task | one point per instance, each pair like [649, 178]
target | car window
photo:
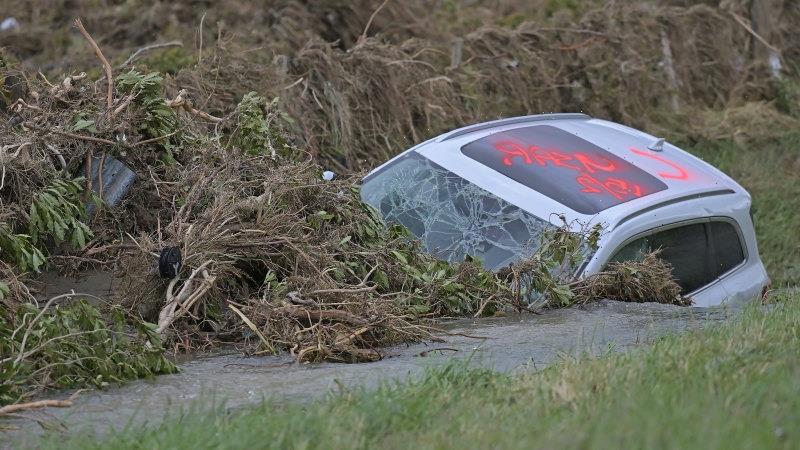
[634, 251]
[728, 247]
[452, 217]
[686, 248]
[564, 167]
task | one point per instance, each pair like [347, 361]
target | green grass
[735, 385]
[770, 171]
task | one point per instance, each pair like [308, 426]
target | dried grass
[633, 63]
[648, 280]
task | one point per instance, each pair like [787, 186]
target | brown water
[509, 344]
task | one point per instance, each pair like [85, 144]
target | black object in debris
[169, 262]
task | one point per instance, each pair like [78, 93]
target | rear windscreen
[564, 167]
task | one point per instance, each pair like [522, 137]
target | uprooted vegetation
[226, 157]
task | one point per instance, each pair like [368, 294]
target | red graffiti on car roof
[588, 167]
[681, 173]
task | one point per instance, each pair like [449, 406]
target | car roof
[685, 176]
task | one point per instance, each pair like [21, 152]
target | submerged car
[490, 190]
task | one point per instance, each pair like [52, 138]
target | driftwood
[39, 404]
[179, 304]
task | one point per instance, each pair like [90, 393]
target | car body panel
[695, 191]
[696, 177]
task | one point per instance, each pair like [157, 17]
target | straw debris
[648, 280]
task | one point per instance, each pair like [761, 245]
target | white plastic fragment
[775, 64]
[9, 23]
[328, 175]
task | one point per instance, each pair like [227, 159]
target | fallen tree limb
[177, 305]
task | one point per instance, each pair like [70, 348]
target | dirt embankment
[363, 80]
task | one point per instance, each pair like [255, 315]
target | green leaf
[83, 124]
[401, 257]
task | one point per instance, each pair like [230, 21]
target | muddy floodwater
[510, 344]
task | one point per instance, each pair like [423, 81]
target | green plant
[258, 129]
[57, 212]
[148, 93]
[18, 249]
[74, 345]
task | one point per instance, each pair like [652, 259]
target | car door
[689, 249]
[741, 282]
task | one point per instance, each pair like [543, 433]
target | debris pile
[230, 232]
[653, 67]
[363, 80]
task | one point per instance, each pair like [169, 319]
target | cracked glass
[452, 217]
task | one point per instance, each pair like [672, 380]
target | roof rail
[672, 202]
[511, 121]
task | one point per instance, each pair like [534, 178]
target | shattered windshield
[451, 216]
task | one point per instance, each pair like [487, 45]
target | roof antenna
[657, 146]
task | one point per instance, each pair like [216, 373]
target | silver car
[489, 190]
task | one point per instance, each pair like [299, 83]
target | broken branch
[103, 60]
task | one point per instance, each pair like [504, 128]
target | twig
[19, 103]
[71, 135]
[343, 290]
[147, 48]
[311, 316]
[6, 157]
[439, 349]
[200, 48]
[84, 137]
[103, 60]
[483, 305]
[100, 182]
[88, 173]
[180, 101]
[124, 104]
[750, 30]
[11, 409]
[58, 154]
[363, 36]
[253, 327]
[156, 139]
[576, 30]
